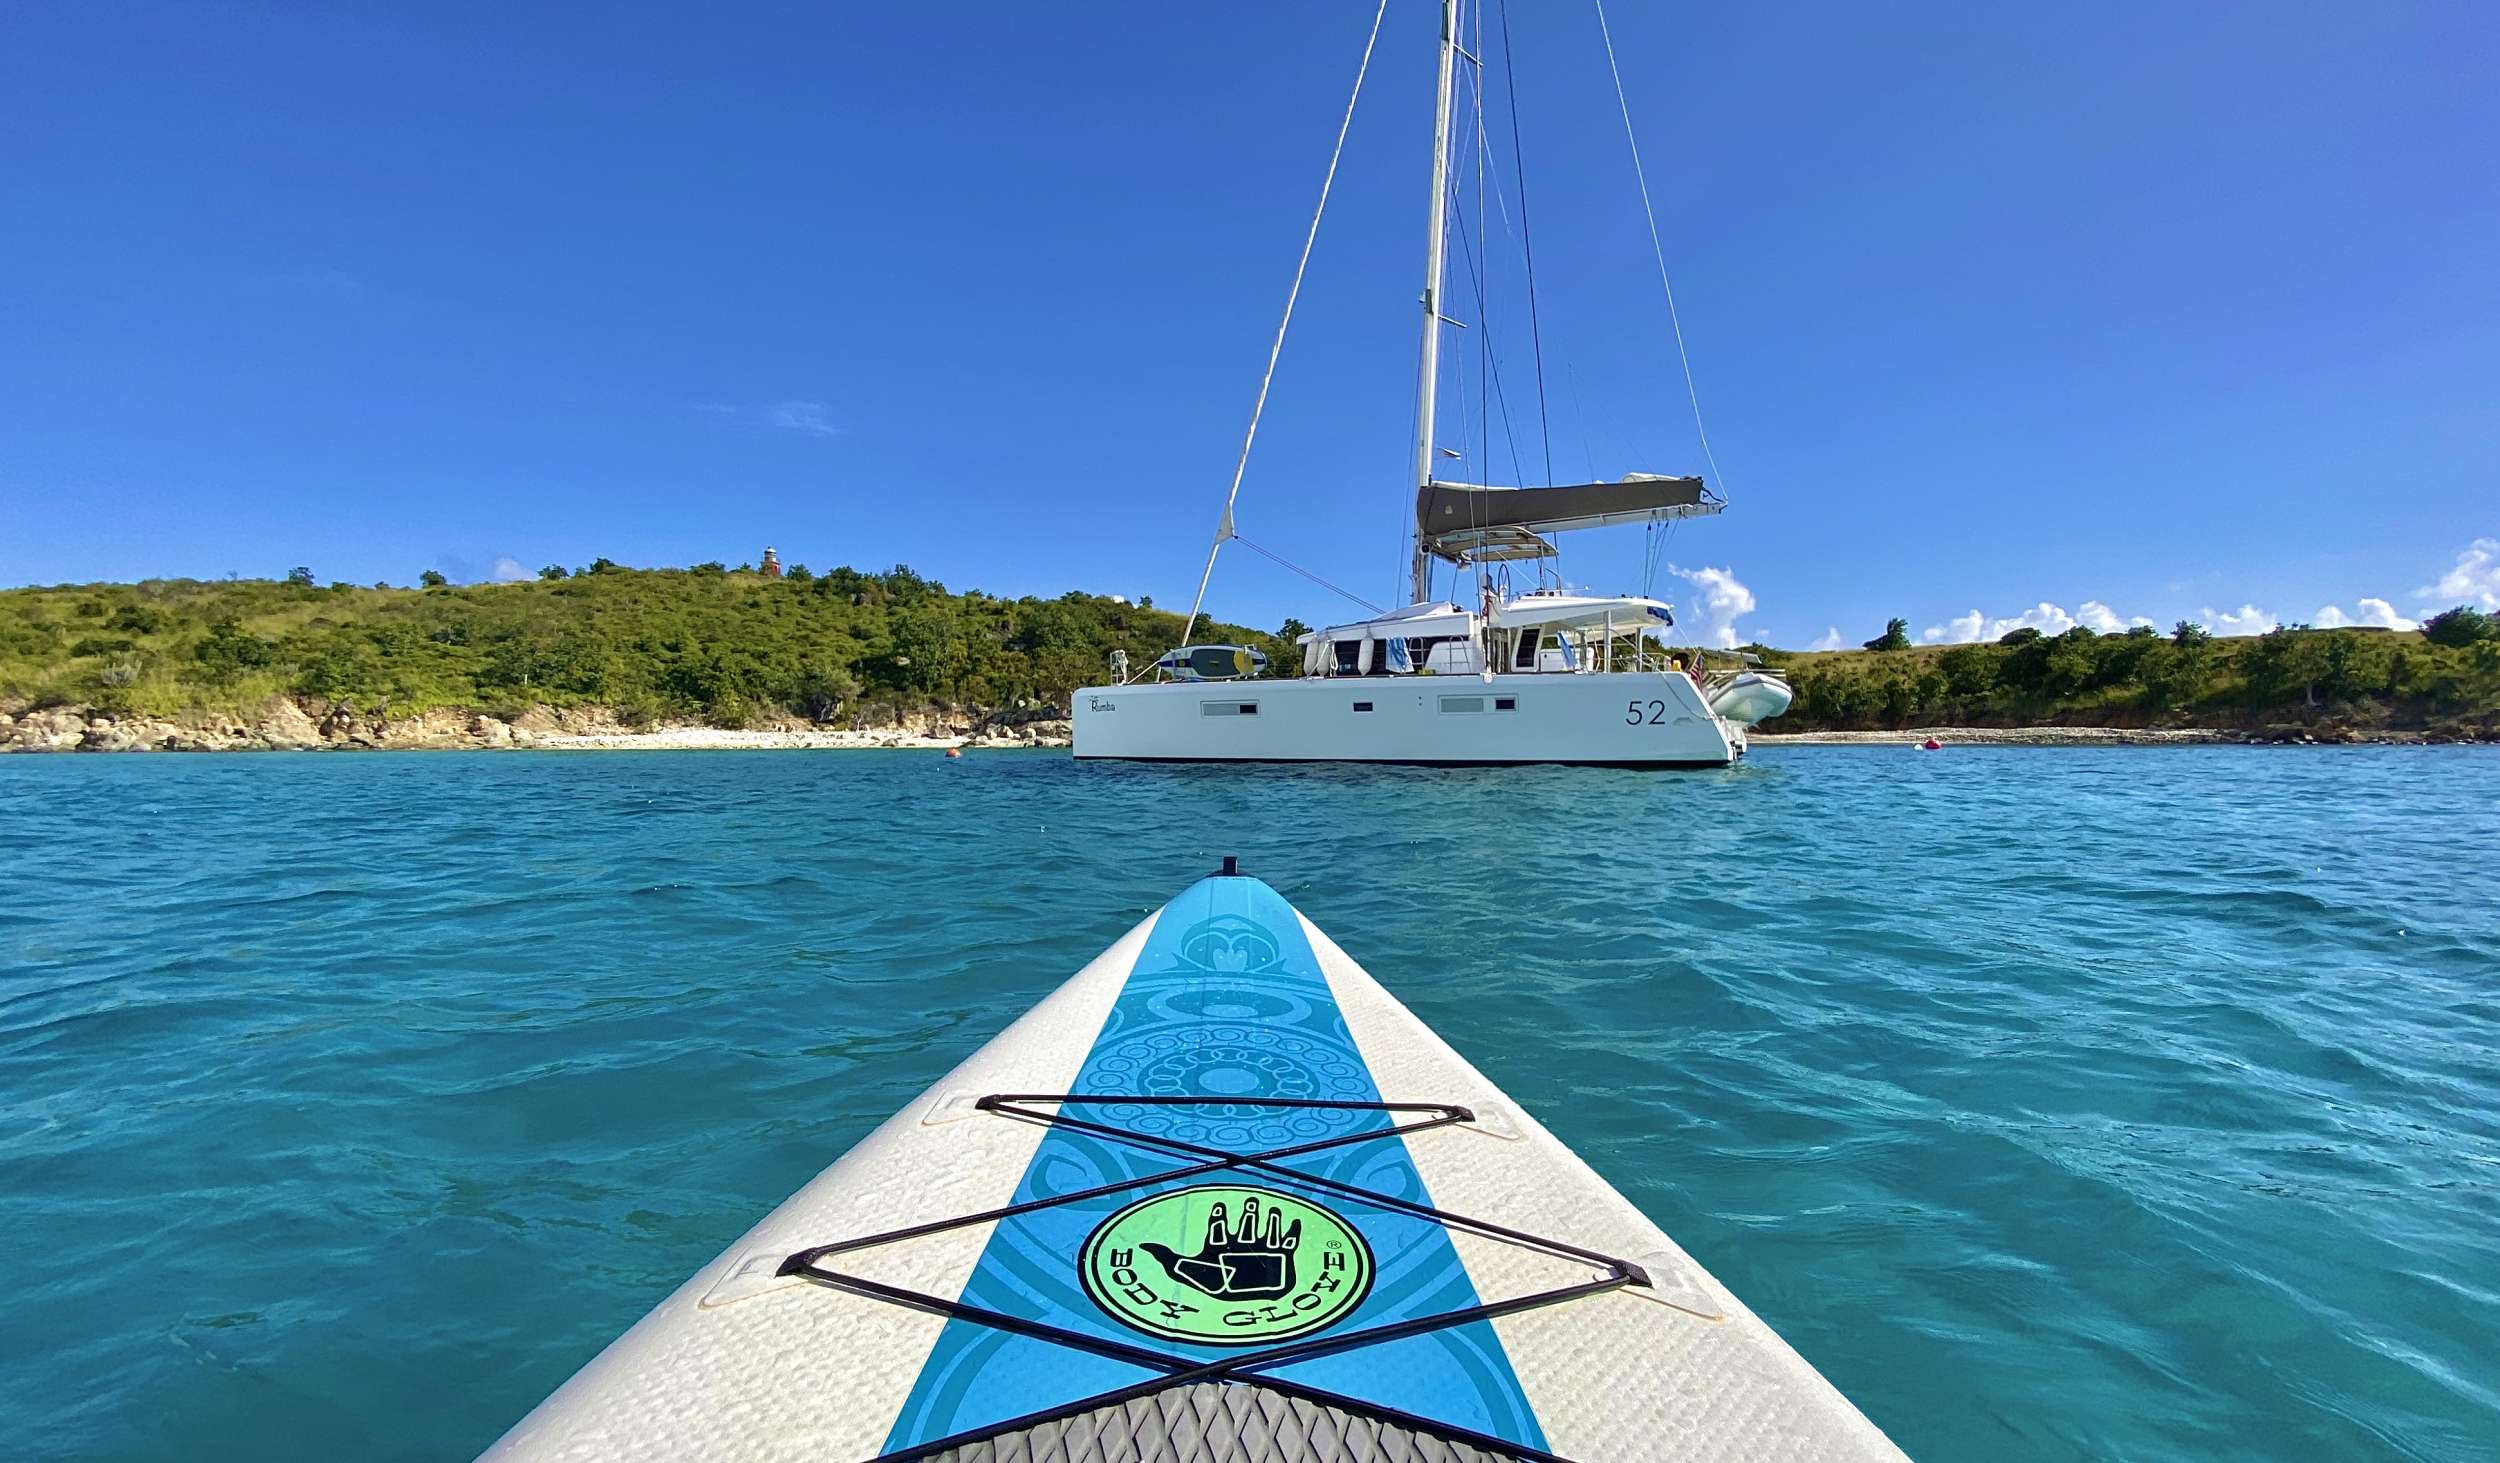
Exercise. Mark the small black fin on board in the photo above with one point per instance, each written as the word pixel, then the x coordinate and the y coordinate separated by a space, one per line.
pixel 1231 869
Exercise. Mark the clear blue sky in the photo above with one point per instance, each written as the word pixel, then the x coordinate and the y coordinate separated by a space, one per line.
pixel 2163 307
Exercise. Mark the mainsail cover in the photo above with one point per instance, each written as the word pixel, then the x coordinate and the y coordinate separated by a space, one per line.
pixel 1461 521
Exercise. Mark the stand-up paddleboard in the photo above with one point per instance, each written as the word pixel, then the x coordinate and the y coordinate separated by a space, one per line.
pixel 1218 1197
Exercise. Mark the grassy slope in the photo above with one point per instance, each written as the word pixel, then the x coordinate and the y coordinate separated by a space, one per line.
pixel 728 647
pixel 2358 677
pixel 666 642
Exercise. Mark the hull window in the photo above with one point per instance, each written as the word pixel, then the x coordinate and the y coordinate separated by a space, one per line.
pixel 1228 708
pixel 1506 703
pixel 1362 706
pixel 1456 705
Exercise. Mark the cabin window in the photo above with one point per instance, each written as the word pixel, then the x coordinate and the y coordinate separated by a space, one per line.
pixel 1349 654
pixel 1451 705
pixel 1529 640
pixel 1362 706
pixel 1228 708
pixel 1506 703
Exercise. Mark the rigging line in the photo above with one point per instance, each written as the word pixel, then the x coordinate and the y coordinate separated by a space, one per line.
pixel 1580 418
pixel 1527 240
pixel 1307 574
pixel 1224 525
pixel 1484 322
pixel 1657 250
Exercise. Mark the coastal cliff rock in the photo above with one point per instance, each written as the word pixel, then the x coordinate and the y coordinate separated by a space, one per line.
pixel 287 724
pixel 284 725
pixel 57 730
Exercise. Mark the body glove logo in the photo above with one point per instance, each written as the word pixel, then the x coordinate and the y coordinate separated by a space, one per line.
pixel 1226 1265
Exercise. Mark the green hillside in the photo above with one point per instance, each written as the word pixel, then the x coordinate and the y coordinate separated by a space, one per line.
pixel 2447 675
pixel 727 647
pixel 719 645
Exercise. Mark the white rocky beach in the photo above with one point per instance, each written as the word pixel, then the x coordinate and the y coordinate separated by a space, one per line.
pixel 285 725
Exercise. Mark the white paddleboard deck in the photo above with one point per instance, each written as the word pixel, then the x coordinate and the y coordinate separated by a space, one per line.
pixel 1463 1287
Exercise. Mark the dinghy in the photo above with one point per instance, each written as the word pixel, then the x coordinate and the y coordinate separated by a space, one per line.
pixel 1218 1197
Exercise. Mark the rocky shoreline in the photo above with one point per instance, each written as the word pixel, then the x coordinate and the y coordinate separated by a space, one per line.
pixel 287 725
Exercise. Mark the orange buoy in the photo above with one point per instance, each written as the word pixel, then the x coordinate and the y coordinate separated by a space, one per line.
pixel 953 752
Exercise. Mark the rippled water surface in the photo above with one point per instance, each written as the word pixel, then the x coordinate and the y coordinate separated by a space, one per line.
pixel 2057 1104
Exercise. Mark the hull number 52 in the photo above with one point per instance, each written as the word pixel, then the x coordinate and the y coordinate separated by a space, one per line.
pixel 1645 713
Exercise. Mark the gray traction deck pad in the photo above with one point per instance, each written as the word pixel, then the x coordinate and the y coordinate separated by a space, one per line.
pixel 1216 1422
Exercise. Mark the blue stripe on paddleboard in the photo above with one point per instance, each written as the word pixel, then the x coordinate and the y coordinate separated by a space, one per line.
pixel 1226 999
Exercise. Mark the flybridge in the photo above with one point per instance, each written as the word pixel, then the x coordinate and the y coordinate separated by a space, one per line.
pixel 1467 524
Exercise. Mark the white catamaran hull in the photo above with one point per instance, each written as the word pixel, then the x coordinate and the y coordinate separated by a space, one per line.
pixel 1629 720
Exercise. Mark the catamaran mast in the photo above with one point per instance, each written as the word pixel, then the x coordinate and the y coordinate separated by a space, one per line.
pixel 1428 376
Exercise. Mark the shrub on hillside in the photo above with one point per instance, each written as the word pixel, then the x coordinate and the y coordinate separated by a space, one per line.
pixel 2460 627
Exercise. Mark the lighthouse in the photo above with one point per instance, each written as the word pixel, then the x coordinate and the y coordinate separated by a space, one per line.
pixel 772 563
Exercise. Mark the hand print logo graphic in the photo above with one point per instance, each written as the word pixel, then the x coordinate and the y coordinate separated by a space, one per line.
pixel 1242 1265
pixel 1226 1265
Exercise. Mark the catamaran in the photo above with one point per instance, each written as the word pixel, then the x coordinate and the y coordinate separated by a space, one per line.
pixel 1511 675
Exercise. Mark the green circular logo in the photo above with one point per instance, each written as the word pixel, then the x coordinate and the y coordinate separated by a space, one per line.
pixel 1225 1265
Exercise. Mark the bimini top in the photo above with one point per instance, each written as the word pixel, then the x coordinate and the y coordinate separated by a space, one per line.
pixel 1467 524
pixel 1415 621
pixel 1625 612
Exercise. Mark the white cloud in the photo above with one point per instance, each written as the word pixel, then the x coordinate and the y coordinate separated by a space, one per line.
pixel 2474 579
pixel 2382 614
pixel 1960 630
pixel 1830 640
pixel 2246 620
pixel 507 569
pixel 802 416
pixel 2371 612
pixel 2044 617
pixel 2105 620
pixel 810 418
pixel 1723 600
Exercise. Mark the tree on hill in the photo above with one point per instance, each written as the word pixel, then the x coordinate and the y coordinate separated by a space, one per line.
pixel 1896 636
pixel 300 574
pixel 2460 627
pixel 2286 657
pixel 555 571
pixel 431 579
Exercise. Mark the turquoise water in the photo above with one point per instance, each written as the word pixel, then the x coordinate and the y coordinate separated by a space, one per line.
pixel 2057 1104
